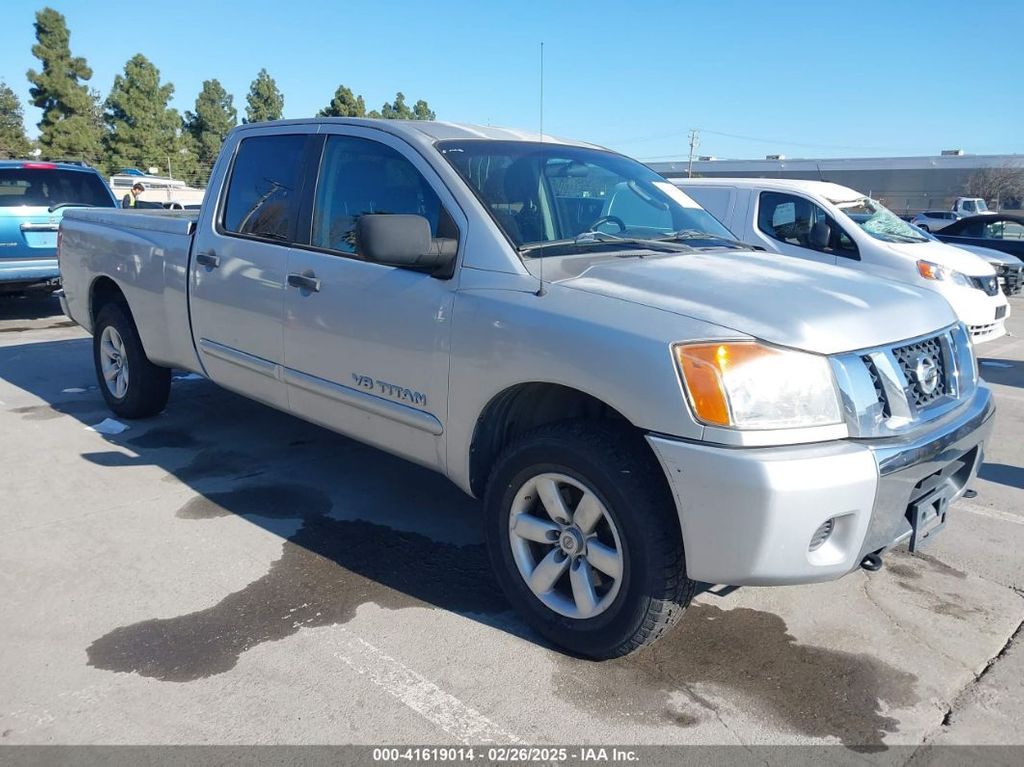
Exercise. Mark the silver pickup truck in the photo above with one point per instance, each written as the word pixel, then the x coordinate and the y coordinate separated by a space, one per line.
pixel 644 404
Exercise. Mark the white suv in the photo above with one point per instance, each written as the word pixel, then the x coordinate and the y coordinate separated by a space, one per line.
pixel 934 220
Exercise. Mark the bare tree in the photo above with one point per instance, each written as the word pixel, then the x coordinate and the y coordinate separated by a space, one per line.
pixel 1002 185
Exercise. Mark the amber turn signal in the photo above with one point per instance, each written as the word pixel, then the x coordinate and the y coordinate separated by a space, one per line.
pixel 704 367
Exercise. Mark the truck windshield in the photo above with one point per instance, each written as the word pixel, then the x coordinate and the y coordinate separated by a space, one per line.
pixel 575 197
pixel 878 221
pixel 46 187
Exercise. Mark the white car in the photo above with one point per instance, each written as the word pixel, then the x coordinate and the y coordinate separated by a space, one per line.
pixel 831 224
pixel 934 220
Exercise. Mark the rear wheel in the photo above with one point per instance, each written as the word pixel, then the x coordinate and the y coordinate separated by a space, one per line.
pixel 132 386
pixel 584 538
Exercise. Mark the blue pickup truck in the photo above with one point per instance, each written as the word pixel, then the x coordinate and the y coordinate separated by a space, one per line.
pixel 33 197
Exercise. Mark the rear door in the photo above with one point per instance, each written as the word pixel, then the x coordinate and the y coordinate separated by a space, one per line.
pixel 240 261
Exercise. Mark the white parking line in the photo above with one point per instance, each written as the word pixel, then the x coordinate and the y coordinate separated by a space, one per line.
pixel 984 511
pixel 417 692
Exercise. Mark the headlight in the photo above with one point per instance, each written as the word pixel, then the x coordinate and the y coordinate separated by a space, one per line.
pixel 747 385
pixel 931 271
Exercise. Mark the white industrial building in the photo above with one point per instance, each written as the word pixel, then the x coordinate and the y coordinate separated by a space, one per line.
pixel 906 185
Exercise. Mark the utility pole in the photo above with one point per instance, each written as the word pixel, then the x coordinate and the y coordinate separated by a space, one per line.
pixel 694 143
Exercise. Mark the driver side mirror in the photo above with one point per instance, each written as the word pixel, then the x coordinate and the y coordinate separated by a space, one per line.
pixel 821 234
pixel 399 239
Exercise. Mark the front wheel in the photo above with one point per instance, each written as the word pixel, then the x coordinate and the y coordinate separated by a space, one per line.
pixel 132 386
pixel 584 538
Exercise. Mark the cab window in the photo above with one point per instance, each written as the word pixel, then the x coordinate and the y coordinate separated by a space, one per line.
pixel 360 176
pixel 263 191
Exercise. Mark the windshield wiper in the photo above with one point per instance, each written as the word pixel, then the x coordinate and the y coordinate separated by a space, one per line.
pixel 696 234
pixel 587 239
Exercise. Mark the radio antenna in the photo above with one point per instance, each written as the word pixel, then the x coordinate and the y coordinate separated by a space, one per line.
pixel 542 91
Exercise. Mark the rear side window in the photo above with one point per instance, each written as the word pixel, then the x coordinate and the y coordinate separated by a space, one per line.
pixel 46 187
pixel 359 176
pixel 263 191
pixel 715 200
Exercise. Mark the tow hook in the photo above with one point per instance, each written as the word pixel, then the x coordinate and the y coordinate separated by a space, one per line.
pixel 872 563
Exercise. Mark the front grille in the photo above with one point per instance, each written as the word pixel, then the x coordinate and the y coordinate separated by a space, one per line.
pixel 981 331
pixel 988 284
pixel 1013 280
pixel 889 390
pixel 876 381
pixel 924 367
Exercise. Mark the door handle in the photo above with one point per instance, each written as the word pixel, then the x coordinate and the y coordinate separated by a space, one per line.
pixel 305 281
pixel 208 260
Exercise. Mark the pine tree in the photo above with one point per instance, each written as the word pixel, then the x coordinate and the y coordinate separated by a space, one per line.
pixel 215 115
pixel 344 104
pixel 13 141
pixel 143 130
pixel 67 129
pixel 399 110
pixel 265 101
pixel 422 111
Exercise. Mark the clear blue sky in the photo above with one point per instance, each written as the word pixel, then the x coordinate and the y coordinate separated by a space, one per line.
pixel 810 79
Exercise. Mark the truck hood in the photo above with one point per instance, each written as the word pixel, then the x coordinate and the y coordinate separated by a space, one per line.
pixel 992 256
pixel 784 301
pixel 940 253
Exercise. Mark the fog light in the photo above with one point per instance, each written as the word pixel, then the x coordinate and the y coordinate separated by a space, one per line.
pixel 822 534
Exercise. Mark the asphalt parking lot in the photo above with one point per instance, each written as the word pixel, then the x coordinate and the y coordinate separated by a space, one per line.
pixel 225 573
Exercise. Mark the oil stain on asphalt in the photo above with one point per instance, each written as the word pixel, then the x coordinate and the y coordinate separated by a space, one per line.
pixel 327 569
pixel 330 567
pixel 53 410
pixel 750 656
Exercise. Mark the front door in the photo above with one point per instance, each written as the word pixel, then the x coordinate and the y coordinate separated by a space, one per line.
pixel 366 345
pixel 239 267
pixel 787 223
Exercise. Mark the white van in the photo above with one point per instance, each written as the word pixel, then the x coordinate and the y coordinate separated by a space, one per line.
pixel 828 223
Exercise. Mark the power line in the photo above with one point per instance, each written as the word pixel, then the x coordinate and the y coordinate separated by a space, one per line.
pixel 755 139
pixel 800 143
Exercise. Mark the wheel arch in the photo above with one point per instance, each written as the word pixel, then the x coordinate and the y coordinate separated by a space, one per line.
pixel 103 291
pixel 522 407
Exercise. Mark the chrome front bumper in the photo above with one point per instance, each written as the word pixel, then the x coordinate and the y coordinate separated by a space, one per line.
pixel 748 514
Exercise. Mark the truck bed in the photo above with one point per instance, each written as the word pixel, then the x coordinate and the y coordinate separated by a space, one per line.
pixel 146 255
pixel 181 222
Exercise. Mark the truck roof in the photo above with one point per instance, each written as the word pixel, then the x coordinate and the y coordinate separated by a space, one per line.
pixel 826 189
pixel 425 131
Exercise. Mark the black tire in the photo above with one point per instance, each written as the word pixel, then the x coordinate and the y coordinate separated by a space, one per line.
pixel 617 465
pixel 149 385
pixel 923 227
